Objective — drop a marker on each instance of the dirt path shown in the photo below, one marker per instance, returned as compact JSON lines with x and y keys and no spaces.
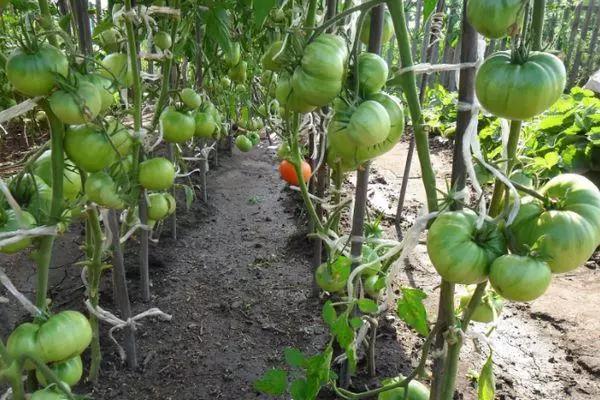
{"x":238,"y":281}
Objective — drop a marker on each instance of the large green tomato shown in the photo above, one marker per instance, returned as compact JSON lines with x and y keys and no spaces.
{"x":88,"y":147}
{"x":104,"y":87}
{"x":71,"y":178}
{"x":158,"y":206}
{"x":79,"y":107}
{"x":388,"y":28}
{"x":157,"y":174}
{"x":162,"y":40}
{"x":318,"y":80}
{"x":494,"y":18}
{"x":459,"y":251}
{"x":243,"y":143}
{"x":34,"y":74}
{"x":23,"y":342}
{"x":233,"y":55}
{"x":520,"y":278}
{"x":254,"y":137}
{"x":238,"y":72}
{"x":416,"y":391}
{"x":269,"y":62}
{"x":63,"y":336}
{"x":566,"y":227}
{"x":205,"y":125}
{"x":372,"y":73}
{"x":9,"y":223}
{"x":289,"y":98}
{"x":116,"y":65}
{"x":69,"y":371}
{"x":369,"y":124}
{"x":177,"y":127}
{"x":47,"y":394}
{"x":333,"y":277}
{"x":489,"y":308}
{"x":519,"y":90}
{"x":101,"y":189}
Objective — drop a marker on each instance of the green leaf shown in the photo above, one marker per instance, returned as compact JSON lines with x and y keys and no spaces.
{"x":189,"y":196}
{"x":367,"y":306}
{"x":356,"y":323}
{"x":294,"y":357}
{"x":342,"y":331}
{"x":104,"y":25}
{"x":428,"y":8}
{"x":217,"y":26}
{"x":274,"y":382}
{"x":261,"y":10}
{"x":329,"y":314}
{"x":552,"y":158}
{"x":412,"y":311}
{"x":486,"y":384}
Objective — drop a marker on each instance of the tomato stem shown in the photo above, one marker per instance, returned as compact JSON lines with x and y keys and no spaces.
{"x":46,"y":20}
{"x":94,"y":271}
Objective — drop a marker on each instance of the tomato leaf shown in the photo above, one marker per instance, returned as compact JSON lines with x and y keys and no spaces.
{"x":412,"y":311}
{"x":367,"y":306}
{"x":342,"y":331}
{"x":261,"y":10}
{"x":217,"y":26}
{"x":329,"y":314}
{"x":294,"y":357}
{"x":356,"y":322}
{"x":104,"y":25}
{"x":486,"y":383}
{"x":428,"y":8}
{"x":274,"y":382}
{"x":189,"y":196}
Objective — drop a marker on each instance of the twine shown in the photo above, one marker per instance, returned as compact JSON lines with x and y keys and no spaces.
{"x":118,"y":324}
{"x":28,"y":305}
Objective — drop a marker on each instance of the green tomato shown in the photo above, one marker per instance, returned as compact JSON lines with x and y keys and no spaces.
{"x":566,"y":228}
{"x":157,"y":174}
{"x":162,"y":40}
{"x":374,"y":284}
{"x":104,"y":87}
{"x":388,"y":28}
{"x":519,"y":91}
{"x":269,"y":62}
{"x":121,"y":137}
{"x":520,"y":278}
{"x":40,"y":202}
{"x":102,"y":189}
{"x":48,"y":394}
{"x":158,"y":206}
{"x":238,"y":72}
{"x":23,"y":342}
{"x":233,"y":55}
{"x":243,"y":143}
{"x":177,"y":127}
{"x":190,"y":98}
{"x":71,"y":178}
{"x":492,"y":18}
{"x":416,"y":391}
{"x":205,"y":125}
{"x":116,"y":65}
{"x":225,"y":82}
{"x":171,"y":202}
{"x":254,"y":137}
{"x":489,"y":308}
{"x":459,"y":251}
{"x":69,"y":371}
{"x":333,"y":277}
{"x":369,"y":255}
{"x":372,"y":73}
{"x":34,"y":74}
{"x":63,"y":336}
{"x":9,"y":223}
{"x":369,"y":124}
{"x":210,"y":108}
{"x":79,"y":107}
{"x":109,"y":39}
{"x":88,"y":147}
{"x":289,"y":98}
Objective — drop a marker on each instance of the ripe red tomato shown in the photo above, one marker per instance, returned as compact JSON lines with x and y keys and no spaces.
{"x":288,"y":172}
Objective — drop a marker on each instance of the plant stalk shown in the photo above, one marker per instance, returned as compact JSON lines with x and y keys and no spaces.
{"x":537,"y":24}
{"x":94,"y":272}
{"x":46,"y":20}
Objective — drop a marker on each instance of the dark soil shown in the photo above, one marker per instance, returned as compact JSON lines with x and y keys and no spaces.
{"x":237,"y":282}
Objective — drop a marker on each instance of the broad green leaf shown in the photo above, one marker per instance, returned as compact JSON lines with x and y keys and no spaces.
{"x":217,"y":26}
{"x":342,"y":331}
{"x":367,"y":306}
{"x":294,"y":357}
{"x":261,"y":10}
{"x":319,"y":365}
{"x":104,"y":25}
{"x":298,"y":389}
{"x":486,"y":384}
{"x":329,"y":314}
{"x":552,"y":158}
{"x":356,"y":323}
{"x":273,"y":382}
{"x":428,"y":8}
{"x":412,"y":311}
{"x":574,"y":159}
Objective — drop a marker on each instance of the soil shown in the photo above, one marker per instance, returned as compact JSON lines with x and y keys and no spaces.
{"x":237,"y":282}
